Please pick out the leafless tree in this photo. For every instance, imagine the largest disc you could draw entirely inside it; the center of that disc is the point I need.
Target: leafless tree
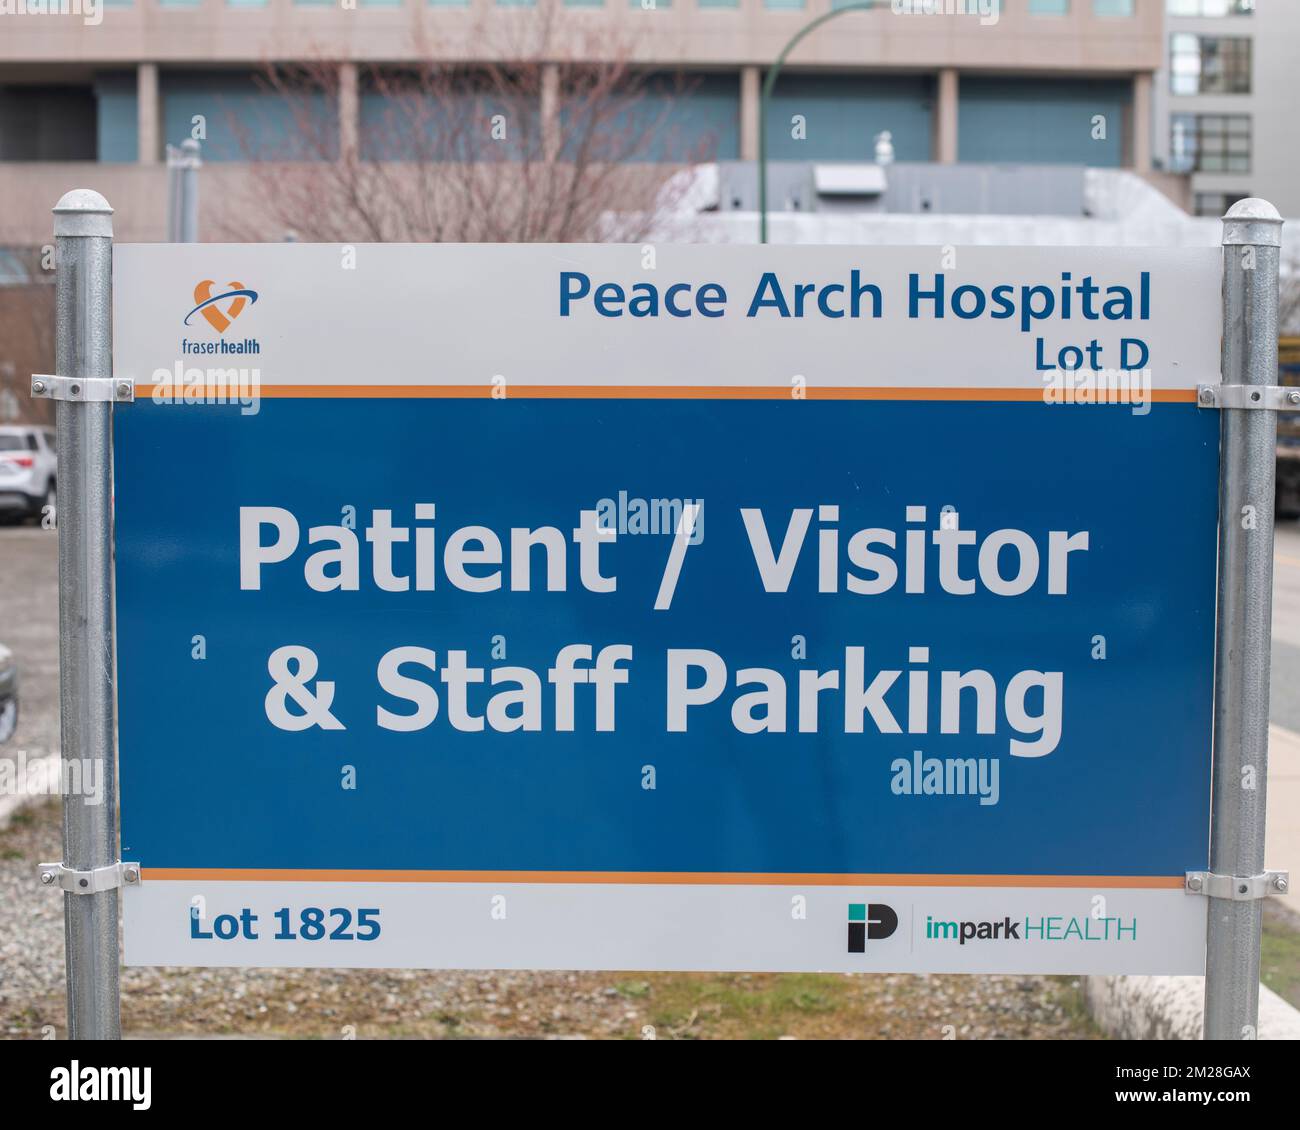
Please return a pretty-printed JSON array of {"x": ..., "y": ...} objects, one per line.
[
  {"x": 512, "y": 149},
  {"x": 26, "y": 332}
]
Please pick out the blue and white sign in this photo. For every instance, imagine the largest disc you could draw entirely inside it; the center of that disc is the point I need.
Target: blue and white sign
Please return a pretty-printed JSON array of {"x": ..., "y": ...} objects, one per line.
[{"x": 678, "y": 608}]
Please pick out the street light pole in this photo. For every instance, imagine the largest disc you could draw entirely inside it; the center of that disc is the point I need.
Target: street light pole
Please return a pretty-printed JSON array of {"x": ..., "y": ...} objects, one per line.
[{"x": 770, "y": 81}]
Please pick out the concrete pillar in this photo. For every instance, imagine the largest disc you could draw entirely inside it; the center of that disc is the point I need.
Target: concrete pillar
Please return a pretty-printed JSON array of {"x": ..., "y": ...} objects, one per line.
[
  {"x": 1140, "y": 131},
  {"x": 945, "y": 118},
  {"x": 751, "y": 84},
  {"x": 148, "y": 113},
  {"x": 349, "y": 112},
  {"x": 550, "y": 108}
]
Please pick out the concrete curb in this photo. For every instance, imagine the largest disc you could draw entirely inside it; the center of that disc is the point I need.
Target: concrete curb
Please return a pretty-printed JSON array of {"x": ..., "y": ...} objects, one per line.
[{"x": 1170, "y": 1008}]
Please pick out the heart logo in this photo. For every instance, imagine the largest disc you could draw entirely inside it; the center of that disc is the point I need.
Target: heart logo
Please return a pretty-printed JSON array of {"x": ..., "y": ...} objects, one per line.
[{"x": 208, "y": 304}]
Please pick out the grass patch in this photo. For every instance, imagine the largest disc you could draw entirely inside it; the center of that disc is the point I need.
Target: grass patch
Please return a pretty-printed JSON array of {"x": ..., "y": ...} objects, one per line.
[
  {"x": 1279, "y": 961},
  {"x": 750, "y": 1007}
]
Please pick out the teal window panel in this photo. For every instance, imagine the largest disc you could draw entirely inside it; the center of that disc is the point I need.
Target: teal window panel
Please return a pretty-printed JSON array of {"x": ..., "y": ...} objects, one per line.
[
  {"x": 246, "y": 121},
  {"x": 665, "y": 119},
  {"x": 694, "y": 118},
  {"x": 840, "y": 116},
  {"x": 1049, "y": 7},
  {"x": 408, "y": 125},
  {"x": 718, "y": 3},
  {"x": 117, "y": 118},
  {"x": 1041, "y": 121},
  {"x": 1112, "y": 7}
]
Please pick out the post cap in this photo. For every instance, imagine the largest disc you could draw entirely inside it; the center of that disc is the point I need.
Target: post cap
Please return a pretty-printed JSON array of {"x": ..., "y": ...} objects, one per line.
[
  {"x": 83, "y": 212},
  {"x": 1252, "y": 221}
]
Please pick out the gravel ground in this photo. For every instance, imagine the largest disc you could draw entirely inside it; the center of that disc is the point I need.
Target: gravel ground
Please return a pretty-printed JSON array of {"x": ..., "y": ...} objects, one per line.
[
  {"x": 333, "y": 1004},
  {"x": 29, "y": 626}
]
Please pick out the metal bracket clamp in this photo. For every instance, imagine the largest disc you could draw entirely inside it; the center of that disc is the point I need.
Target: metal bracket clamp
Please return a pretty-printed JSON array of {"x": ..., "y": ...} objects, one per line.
[
  {"x": 1237, "y": 888},
  {"x": 91, "y": 390},
  {"x": 90, "y": 882},
  {"x": 1272, "y": 397}
]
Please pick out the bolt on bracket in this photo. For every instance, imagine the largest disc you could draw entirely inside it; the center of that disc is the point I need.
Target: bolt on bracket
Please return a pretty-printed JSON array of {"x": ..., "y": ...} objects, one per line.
[
  {"x": 1237, "y": 888},
  {"x": 89, "y": 882},
  {"x": 91, "y": 390},
  {"x": 1273, "y": 398}
]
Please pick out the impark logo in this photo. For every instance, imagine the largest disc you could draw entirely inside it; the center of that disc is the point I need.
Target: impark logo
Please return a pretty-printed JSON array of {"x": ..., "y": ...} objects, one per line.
[
  {"x": 872, "y": 920},
  {"x": 238, "y": 297}
]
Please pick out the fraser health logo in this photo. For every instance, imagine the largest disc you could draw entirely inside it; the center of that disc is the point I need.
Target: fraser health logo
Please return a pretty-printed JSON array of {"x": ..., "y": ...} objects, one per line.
[
  {"x": 209, "y": 304},
  {"x": 219, "y": 311},
  {"x": 870, "y": 920},
  {"x": 229, "y": 386}
]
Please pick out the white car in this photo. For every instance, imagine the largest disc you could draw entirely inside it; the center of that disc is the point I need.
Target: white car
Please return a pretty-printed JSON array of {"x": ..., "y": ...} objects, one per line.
[{"x": 29, "y": 468}]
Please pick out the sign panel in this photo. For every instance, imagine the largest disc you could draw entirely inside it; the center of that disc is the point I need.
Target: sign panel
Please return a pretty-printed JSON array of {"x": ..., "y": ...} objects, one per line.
[{"x": 678, "y": 608}]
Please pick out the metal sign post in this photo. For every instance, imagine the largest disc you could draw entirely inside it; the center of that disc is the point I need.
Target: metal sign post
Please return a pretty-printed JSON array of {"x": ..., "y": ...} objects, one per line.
[
  {"x": 1252, "y": 236},
  {"x": 183, "y": 166},
  {"x": 85, "y": 390}
]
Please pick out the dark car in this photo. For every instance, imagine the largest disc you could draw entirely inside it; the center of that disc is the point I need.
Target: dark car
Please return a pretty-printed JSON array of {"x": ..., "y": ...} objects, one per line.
[{"x": 8, "y": 694}]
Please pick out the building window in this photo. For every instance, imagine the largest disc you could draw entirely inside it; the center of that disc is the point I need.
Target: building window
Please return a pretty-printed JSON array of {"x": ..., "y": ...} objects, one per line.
[
  {"x": 1211, "y": 8},
  {"x": 1209, "y": 143},
  {"x": 48, "y": 123},
  {"x": 1049, "y": 7},
  {"x": 1216, "y": 203},
  {"x": 718, "y": 3},
  {"x": 1112, "y": 7},
  {"x": 1209, "y": 64}
]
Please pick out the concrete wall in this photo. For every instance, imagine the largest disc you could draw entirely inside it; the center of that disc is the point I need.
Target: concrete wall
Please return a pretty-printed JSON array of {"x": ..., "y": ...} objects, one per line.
[
  {"x": 680, "y": 32},
  {"x": 1172, "y": 1008}
]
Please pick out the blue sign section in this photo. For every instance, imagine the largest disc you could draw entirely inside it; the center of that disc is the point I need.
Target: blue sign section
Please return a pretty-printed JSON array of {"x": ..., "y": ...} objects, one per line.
[{"x": 1122, "y": 789}]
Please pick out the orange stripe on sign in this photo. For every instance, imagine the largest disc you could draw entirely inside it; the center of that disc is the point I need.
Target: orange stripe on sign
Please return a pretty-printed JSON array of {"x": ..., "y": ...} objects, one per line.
[
  {"x": 667, "y": 878},
  {"x": 644, "y": 392}
]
